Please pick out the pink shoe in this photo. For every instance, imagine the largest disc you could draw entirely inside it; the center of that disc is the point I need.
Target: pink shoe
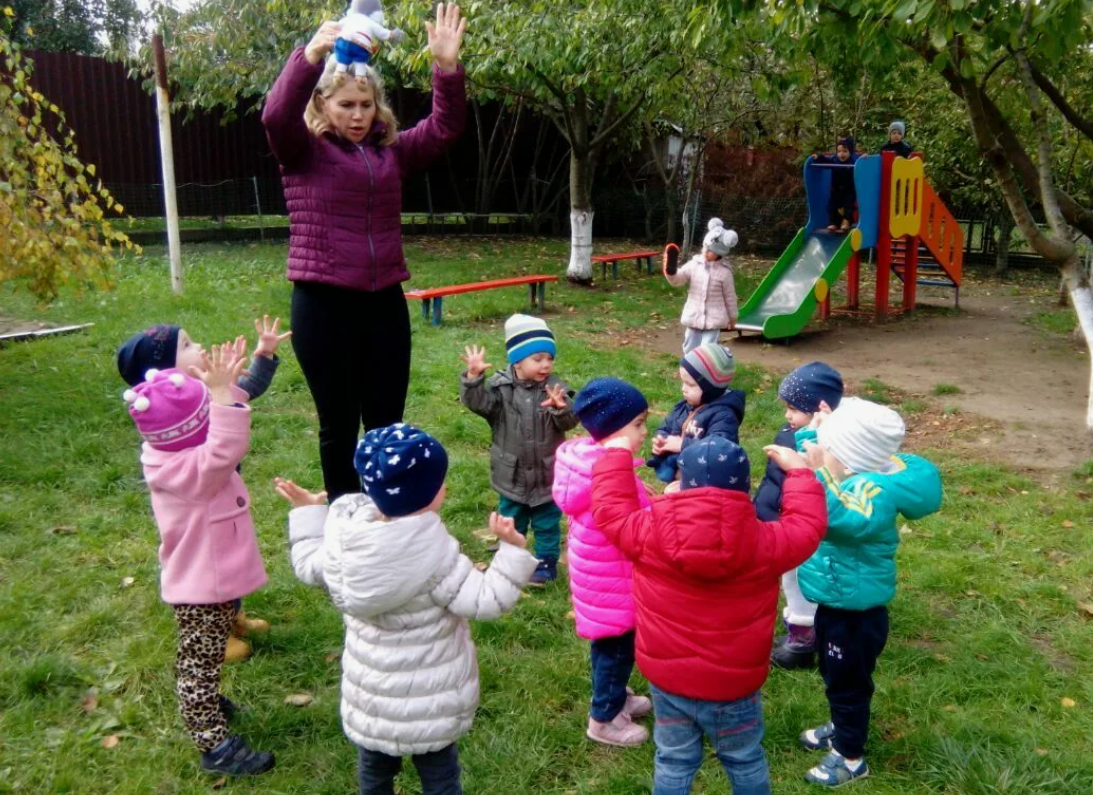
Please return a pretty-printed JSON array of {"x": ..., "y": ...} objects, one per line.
[
  {"x": 621, "y": 732},
  {"x": 637, "y": 706}
]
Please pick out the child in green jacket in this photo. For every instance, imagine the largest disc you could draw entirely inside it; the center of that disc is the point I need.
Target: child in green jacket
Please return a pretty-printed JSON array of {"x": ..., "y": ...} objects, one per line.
[
  {"x": 852, "y": 576},
  {"x": 529, "y": 411}
]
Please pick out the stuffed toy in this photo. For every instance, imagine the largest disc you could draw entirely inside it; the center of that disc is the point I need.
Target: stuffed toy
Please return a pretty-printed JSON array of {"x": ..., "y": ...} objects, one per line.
[{"x": 362, "y": 30}]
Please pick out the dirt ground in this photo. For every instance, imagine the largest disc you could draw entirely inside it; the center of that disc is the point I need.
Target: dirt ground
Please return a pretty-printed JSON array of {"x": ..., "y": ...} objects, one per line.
[{"x": 1023, "y": 391}]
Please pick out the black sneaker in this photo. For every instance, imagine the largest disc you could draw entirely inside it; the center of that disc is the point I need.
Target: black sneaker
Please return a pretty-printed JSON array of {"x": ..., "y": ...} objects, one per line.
[
  {"x": 790, "y": 657},
  {"x": 545, "y": 572},
  {"x": 235, "y": 758}
]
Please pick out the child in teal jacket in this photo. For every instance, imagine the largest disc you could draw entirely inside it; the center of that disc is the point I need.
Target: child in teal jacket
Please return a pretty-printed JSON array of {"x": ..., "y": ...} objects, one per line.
[{"x": 852, "y": 576}]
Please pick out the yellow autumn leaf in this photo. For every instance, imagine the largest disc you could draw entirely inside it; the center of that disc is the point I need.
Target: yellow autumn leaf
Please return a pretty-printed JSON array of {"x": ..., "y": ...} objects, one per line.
[
  {"x": 1069, "y": 702},
  {"x": 8, "y": 12}
]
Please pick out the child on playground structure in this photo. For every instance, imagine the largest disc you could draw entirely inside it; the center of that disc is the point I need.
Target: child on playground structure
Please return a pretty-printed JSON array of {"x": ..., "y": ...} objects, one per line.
[
  {"x": 528, "y": 411},
  {"x": 165, "y": 346},
  {"x": 811, "y": 388},
  {"x": 895, "y": 142},
  {"x": 844, "y": 197},
  {"x": 600, "y": 578},
  {"x": 710, "y": 407},
  {"x": 195, "y": 433},
  {"x": 711, "y": 296},
  {"x": 409, "y": 669},
  {"x": 852, "y": 576},
  {"x": 705, "y": 583}
]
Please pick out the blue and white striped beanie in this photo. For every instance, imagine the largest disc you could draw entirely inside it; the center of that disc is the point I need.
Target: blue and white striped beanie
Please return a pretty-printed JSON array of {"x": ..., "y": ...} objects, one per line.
[{"x": 526, "y": 335}]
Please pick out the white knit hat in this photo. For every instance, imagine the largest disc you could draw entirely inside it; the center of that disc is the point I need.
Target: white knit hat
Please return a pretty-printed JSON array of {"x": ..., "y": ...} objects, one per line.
[
  {"x": 863, "y": 435},
  {"x": 718, "y": 239}
]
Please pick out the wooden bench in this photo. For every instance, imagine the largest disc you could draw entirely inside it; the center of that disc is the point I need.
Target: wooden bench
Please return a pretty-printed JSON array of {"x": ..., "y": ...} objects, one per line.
[
  {"x": 435, "y": 295},
  {"x": 614, "y": 259}
]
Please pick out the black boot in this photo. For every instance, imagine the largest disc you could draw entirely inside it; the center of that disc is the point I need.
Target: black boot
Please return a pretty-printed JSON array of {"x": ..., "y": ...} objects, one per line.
[
  {"x": 545, "y": 572},
  {"x": 236, "y": 758},
  {"x": 798, "y": 650}
]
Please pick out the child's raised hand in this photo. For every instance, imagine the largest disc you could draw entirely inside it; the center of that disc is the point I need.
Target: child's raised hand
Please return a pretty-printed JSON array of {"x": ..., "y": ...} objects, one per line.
[
  {"x": 222, "y": 369},
  {"x": 786, "y": 458},
  {"x": 667, "y": 444},
  {"x": 475, "y": 359},
  {"x": 504, "y": 527},
  {"x": 555, "y": 397},
  {"x": 240, "y": 346},
  {"x": 299, "y": 497},
  {"x": 268, "y": 338}
]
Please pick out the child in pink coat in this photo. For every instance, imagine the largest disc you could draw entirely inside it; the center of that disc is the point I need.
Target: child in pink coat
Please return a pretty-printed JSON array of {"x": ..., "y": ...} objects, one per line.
[
  {"x": 711, "y": 295},
  {"x": 196, "y": 431},
  {"x": 600, "y": 578}
]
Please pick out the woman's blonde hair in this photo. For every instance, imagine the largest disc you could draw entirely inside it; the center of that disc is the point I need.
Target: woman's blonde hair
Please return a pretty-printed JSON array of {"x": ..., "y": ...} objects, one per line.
[{"x": 330, "y": 81}]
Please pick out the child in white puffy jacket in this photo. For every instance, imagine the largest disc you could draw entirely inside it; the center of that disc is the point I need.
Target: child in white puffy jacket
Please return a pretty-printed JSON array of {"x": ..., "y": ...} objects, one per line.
[
  {"x": 409, "y": 670},
  {"x": 711, "y": 296}
]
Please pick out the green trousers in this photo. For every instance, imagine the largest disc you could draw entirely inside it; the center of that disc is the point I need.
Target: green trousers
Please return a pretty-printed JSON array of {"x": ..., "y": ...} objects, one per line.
[{"x": 545, "y": 521}]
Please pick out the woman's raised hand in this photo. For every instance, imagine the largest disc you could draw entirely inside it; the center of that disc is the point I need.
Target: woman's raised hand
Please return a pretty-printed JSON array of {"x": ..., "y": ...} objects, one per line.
[
  {"x": 322, "y": 42},
  {"x": 446, "y": 36}
]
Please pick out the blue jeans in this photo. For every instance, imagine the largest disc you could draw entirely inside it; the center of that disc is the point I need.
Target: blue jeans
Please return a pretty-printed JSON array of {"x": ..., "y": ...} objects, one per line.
[
  {"x": 612, "y": 664},
  {"x": 439, "y": 772},
  {"x": 734, "y": 728}
]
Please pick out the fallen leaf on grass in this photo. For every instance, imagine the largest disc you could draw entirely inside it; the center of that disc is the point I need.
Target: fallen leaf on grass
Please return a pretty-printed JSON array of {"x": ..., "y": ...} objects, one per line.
[
  {"x": 299, "y": 699},
  {"x": 1068, "y": 702},
  {"x": 481, "y": 566},
  {"x": 572, "y": 616},
  {"x": 1068, "y": 524},
  {"x": 220, "y": 782},
  {"x": 111, "y": 741},
  {"x": 333, "y": 656},
  {"x": 63, "y": 530},
  {"x": 1041, "y": 752},
  {"x": 127, "y": 581},
  {"x": 90, "y": 701},
  {"x": 905, "y": 531}
]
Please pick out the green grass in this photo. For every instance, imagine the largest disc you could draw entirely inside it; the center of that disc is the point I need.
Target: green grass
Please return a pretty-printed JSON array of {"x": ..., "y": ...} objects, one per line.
[
  {"x": 947, "y": 389},
  {"x": 987, "y": 634},
  {"x": 1058, "y": 321},
  {"x": 159, "y": 224}
]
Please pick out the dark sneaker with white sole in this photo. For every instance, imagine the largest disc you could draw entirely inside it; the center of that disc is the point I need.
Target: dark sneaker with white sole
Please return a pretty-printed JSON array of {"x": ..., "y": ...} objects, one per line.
[
  {"x": 833, "y": 771},
  {"x": 235, "y": 758},
  {"x": 818, "y": 739}
]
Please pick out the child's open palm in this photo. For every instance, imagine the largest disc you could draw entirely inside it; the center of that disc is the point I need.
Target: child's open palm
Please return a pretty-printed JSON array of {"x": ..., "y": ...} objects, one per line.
[
  {"x": 555, "y": 397},
  {"x": 223, "y": 366},
  {"x": 268, "y": 338},
  {"x": 475, "y": 359},
  {"x": 299, "y": 497}
]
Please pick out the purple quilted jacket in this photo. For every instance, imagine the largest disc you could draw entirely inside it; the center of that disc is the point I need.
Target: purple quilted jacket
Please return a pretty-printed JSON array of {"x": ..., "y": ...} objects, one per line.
[{"x": 345, "y": 201}]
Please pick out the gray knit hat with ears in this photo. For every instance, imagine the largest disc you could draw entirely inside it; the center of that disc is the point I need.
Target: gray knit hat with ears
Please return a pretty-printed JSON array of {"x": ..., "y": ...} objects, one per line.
[{"x": 718, "y": 239}]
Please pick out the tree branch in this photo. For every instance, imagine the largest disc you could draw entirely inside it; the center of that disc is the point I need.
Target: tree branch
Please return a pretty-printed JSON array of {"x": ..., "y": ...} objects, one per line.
[
  {"x": 1084, "y": 126},
  {"x": 602, "y": 136},
  {"x": 563, "y": 100}
]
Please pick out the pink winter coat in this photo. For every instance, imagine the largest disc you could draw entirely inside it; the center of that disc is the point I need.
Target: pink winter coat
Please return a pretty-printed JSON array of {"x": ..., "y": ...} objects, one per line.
[
  {"x": 600, "y": 578},
  {"x": 208, "y": 552},
  {"x": 711, "y": 297}
]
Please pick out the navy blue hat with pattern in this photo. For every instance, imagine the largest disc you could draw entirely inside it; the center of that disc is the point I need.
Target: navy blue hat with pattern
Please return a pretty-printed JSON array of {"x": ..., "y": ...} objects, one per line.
[
  {"x": 714, "y": 462},
  {"x": 805, "y": 387},
  {"x": 606, "y": 405},
  {"x": 401, "y": 467},
  {"x": 153, "y": 348}
]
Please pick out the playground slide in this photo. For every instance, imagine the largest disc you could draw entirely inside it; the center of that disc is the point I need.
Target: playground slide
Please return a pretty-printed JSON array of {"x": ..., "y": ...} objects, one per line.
[{"x": 783, "y": 303}]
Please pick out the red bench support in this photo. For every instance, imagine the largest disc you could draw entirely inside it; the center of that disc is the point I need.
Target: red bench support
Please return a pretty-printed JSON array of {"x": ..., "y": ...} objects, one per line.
[
  {"x": 435, "y": 295},
  {"x": 614, "y": 259}
]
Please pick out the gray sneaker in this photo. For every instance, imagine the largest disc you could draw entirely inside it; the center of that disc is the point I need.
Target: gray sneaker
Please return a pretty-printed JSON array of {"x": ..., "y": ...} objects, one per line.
[
  {"x": 818, "y": 739},
  {"x": 833, "y": 772}
]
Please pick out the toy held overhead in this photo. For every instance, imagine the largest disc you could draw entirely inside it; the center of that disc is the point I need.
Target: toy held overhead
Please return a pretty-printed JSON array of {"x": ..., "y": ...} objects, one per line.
[{"x": 362, "y": 28}]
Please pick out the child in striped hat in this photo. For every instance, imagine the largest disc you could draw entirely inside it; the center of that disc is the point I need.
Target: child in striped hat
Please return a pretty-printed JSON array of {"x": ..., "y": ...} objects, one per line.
[
  {"x": 529, "y": 411},
  {"x": 709, "y": 407}
]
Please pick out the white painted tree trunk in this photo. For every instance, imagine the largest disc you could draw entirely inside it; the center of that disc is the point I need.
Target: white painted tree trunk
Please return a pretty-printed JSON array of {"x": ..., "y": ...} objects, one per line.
[
  {"x": 580, "y": 246},
  {"x": 1081, "y": 297}
]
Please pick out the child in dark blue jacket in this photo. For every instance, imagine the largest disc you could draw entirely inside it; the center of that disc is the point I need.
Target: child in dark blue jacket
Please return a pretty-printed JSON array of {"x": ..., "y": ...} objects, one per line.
[
  {"x": 806, "y": 390},
  {"x": 709, "y": 408},
  {"x": 844, "y": 196}
]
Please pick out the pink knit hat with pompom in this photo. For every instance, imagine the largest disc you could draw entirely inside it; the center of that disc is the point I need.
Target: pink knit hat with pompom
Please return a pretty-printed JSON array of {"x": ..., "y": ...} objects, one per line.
[{"x": 171, "y": 409}]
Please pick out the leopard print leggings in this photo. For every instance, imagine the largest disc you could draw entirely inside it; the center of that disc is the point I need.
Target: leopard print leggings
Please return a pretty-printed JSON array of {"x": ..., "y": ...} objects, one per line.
[{"x": 202, "y": 633}]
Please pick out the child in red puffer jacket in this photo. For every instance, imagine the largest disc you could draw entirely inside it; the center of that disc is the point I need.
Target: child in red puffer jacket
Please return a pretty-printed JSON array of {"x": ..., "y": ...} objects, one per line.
[{"x": 706, "y": 577}]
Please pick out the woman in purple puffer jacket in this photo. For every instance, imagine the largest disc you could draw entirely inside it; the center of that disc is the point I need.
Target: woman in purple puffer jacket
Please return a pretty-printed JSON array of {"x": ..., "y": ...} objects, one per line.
[{"x": 343, "y": 160}]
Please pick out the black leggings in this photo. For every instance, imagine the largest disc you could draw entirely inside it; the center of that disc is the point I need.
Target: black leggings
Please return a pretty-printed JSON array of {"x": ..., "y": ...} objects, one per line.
[{"x": 354, "y": 349}]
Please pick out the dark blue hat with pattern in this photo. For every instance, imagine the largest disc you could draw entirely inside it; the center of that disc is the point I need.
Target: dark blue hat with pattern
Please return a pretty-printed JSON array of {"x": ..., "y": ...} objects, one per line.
[
  {"x": 714, "y": 462},
  {"x": 401, "y": 467},
  {"x": 607, "y": 405},
  {"x": 805, "y": 387}
]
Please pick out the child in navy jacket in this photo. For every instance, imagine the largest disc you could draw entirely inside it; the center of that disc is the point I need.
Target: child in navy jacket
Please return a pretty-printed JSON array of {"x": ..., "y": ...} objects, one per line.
[{"x": 709, "y": 408}]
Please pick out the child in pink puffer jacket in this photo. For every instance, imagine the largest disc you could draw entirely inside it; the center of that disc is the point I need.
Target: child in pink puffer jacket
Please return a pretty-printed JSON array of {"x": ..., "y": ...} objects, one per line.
[
  {"x": 600, "y": 578},
  {"x": 711, "y": 295}
]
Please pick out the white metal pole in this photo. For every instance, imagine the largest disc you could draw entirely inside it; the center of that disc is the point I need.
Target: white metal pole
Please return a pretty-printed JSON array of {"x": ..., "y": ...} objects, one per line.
[{"x": 167, "y": 160}]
